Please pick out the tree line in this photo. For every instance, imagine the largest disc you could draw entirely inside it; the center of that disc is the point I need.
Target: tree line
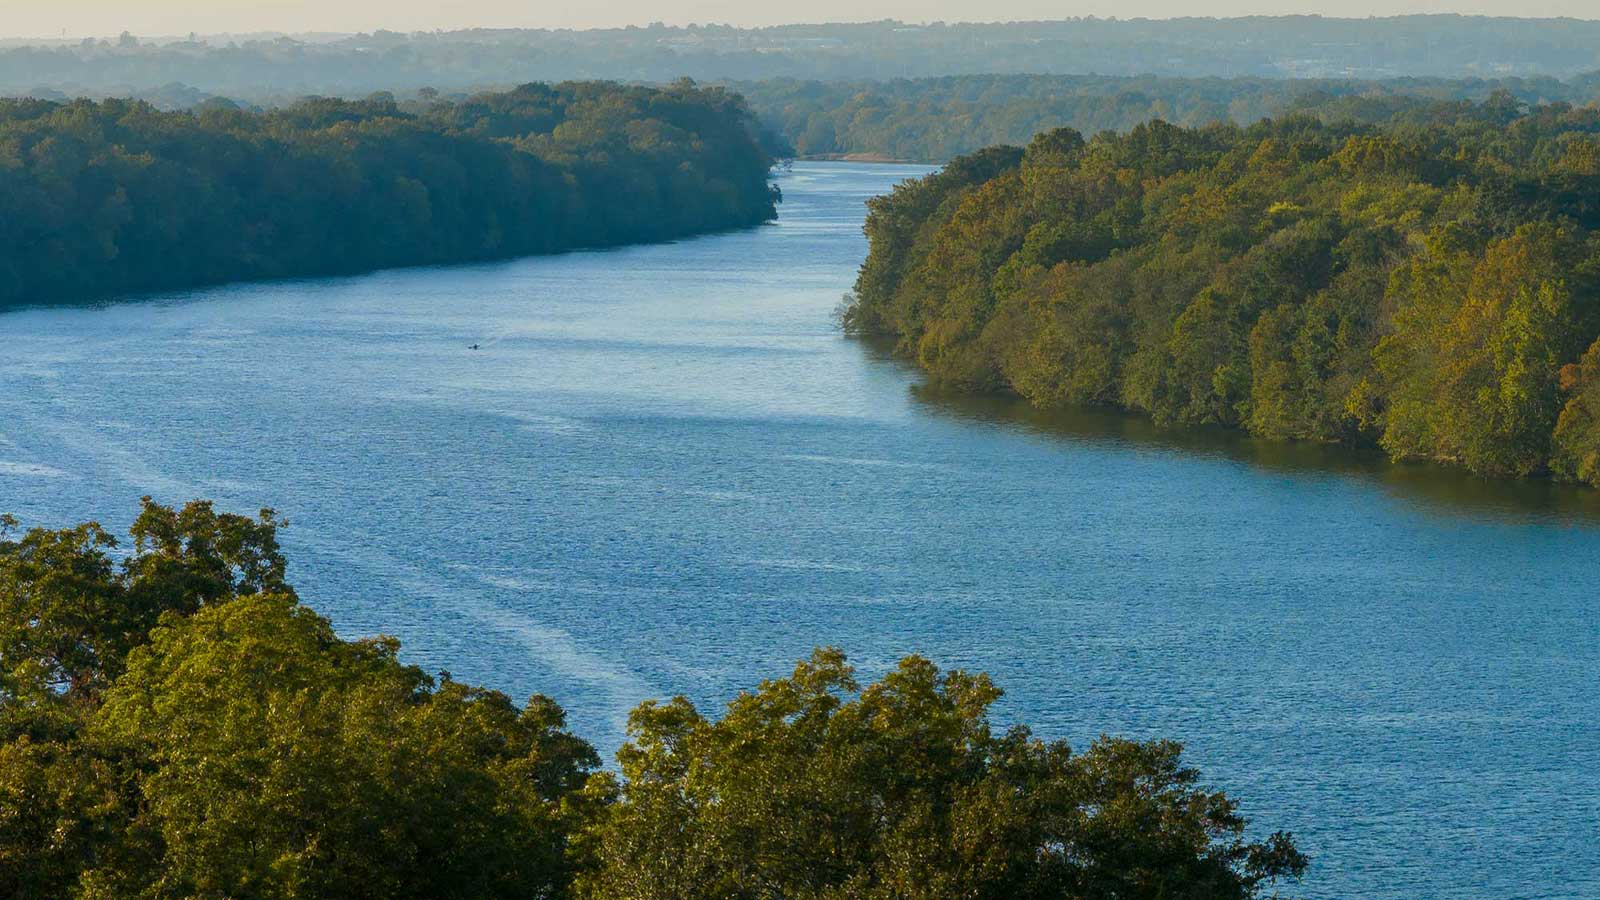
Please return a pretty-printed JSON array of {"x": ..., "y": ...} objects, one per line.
[
  {"x": 116, "y": 197},
  {"x": 174, "y": 722},
  {"x": 937, "y": 119},
  {"x": 1424, "y": 277},
  {"x": 1437, "y": 46}
]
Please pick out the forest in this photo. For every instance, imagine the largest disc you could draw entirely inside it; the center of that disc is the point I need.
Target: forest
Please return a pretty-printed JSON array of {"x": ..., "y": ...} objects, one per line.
[
  {"x": 936, "y": 119},
  {"x": 175, "y": 722},
  {"x": 116, "y": 197},
  {"x": 1419, "y": 276}
]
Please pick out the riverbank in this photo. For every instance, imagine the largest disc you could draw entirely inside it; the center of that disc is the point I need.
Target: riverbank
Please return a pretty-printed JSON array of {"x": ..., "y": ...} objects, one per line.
[
  {"x": 1221, "y": 280},
  {"x": 334, "y": 187},
  {"x": 875, "y": 158}
]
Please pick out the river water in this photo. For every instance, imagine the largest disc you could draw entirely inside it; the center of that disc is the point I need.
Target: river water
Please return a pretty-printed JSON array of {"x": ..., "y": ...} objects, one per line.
[{"x": 665, "y": 471}]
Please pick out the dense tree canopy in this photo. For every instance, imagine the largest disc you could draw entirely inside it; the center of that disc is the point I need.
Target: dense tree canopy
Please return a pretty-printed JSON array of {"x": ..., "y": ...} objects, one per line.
[
  {"x": 177, "y": 725},
  {"x": 116, "y": 197},
  {"x": 1429, "y": 283},
  {"x": 935, "y": 119},
  {"x": 915, "y": 92},
  {"x": 906, "y": 793},
  {"x": 174, "y": 723}
]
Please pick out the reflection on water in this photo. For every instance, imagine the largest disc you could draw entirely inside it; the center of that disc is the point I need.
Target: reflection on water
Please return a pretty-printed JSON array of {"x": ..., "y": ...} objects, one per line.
[{"x": 1446, "y": 489}]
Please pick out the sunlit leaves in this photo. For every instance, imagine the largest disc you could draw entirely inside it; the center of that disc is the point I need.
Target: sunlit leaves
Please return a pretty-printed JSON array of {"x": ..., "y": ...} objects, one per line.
[
  {"x": 1416, "y": 284},
  {"x": 813, "y": 786}
]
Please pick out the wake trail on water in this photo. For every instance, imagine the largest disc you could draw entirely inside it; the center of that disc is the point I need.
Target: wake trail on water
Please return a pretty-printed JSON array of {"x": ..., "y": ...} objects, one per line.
[{"x": 552, "y": 646}]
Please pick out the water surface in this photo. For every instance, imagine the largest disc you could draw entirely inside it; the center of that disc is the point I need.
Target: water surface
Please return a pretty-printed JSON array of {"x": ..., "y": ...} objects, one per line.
[{"x": 666, "y": 472}]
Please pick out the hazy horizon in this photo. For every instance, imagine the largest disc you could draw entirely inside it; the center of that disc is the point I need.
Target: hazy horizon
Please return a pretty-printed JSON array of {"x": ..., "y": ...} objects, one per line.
[{"x": 162, "y": 18}]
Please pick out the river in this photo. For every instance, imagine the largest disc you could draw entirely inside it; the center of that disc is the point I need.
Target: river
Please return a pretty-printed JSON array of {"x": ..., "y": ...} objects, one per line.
[{"x": 665, "y": 471}]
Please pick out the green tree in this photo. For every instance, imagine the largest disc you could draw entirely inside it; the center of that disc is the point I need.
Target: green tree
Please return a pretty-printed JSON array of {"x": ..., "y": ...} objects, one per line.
[
  {"x": 282, "y": 761},
  {"x": 1577, "y": 435},
  {"x": 1478, "y": 342},
  {"x": 69, "y": 615},
  {"x": 63, "y": 805},
  {"x": 178, "y": 725},
  {"x": 235, "y": 746},
  {"x": 97, "y": 199},
  {"x": 813, "y": 787},
  {"x": 1403, "y": 274}
]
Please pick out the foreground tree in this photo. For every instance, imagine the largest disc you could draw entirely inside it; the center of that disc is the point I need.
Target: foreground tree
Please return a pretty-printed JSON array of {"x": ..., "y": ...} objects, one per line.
[
  {"x": 811, "y": 787},
  {"x": 281, "y": 761},
  {"x": 178, "y": 725},
  {"x": 69, "y": 615}
]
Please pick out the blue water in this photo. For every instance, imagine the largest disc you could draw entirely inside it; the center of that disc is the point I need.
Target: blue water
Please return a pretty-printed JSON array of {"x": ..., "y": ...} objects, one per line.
[{"x": 667, "y": 472}]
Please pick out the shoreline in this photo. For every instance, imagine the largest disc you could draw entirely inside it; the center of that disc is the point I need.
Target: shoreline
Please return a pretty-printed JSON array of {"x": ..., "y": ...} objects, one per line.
[{"x": 880, "y": 158}]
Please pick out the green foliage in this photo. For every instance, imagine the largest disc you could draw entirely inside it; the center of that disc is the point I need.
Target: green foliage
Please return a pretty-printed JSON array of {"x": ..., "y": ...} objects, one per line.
[
  {"x": 69, "y": 615},
  {"x": 63, "y": 802},
  {"x": 116, "y": 197},
  {"x": 1418, "y": 283},
  {"x": 281, "y": 761},
  {"x": 1577, "y": 435},
  {"x": 936, "y": 119},
  {"x": 69, "y": 618},
  {"x": 177, "y": 725},
  {"x": 212, "y": 737},
  {"x": 1479, "y": 338},
  {"x": 812, "y": 787}
]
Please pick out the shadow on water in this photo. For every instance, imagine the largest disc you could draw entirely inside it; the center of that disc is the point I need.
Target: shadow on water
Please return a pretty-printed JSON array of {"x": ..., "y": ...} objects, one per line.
[{"x": 1437, "y": 487}]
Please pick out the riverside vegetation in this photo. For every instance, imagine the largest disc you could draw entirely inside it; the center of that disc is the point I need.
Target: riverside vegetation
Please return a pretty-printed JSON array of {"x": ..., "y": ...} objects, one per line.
[
  {"x": 174, "y": 722},
  {"x": 886, "y": 89},
  {"x": 936, "y": 119},
  {"x": 1420, "y": 276},
  {"x": 115, "y": 197}
]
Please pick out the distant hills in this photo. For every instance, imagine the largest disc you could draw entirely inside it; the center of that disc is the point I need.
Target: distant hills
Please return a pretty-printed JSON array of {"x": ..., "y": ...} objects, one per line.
[{"x": 271, "y": 68}]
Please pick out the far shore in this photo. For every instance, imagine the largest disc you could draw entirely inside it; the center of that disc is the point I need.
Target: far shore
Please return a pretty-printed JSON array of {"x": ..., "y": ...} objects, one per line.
[{"x": 856, "y": 157}]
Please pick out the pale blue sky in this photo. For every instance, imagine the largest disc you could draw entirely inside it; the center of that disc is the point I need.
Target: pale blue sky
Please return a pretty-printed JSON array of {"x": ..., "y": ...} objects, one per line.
[{"x": 79, "y": 18}]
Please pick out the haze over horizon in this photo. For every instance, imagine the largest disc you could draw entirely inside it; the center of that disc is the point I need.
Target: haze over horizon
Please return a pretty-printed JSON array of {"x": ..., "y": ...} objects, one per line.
[{"x": 98, "y": 18}]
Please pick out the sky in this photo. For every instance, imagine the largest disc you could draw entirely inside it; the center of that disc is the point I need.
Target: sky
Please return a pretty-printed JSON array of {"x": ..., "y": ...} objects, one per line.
[{"x": 85, "y": 18}]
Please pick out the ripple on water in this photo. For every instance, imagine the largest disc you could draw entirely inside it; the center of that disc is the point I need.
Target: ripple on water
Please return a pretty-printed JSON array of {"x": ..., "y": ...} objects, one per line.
[{"x": 667, "y": 474}]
